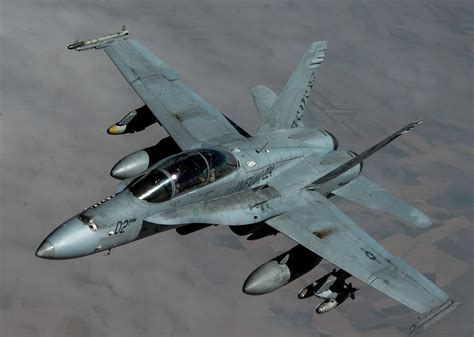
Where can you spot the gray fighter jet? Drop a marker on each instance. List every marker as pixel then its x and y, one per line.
pixel 211 172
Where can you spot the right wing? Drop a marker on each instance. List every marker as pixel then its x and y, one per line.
pixel 324 229
pixel 367 193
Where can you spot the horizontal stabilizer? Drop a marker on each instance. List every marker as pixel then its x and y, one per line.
pixel 364 155
pixel 365 192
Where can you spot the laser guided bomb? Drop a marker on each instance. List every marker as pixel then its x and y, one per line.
pixel 332 288
pixel 331 303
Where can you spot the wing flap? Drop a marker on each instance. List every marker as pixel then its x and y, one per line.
pixel 367 193
pixel 323 228
pixel 187 118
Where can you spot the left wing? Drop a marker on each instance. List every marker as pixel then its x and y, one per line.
pixel 187 118
pixel 324 229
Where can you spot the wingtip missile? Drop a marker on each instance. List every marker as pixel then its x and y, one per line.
pixel 77 44
pixel 428 319
pixel 100 42
pixel 411 126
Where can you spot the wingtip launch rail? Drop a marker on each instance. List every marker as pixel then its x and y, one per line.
pixel 433 316
pixel 100 42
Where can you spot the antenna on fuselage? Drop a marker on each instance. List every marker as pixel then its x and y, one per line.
pixel 261 149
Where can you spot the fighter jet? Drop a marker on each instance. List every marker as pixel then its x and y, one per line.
pixel 209 171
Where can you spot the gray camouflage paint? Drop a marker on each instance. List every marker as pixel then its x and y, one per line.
pixel 251 193
pixel 385 61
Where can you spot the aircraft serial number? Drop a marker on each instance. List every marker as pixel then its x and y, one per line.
pixel 122 225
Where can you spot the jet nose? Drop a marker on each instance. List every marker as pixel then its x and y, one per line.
pixel 72 239
pixel 46 250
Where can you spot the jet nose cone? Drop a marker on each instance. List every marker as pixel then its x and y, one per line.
pixel 46 250
pixel 72 239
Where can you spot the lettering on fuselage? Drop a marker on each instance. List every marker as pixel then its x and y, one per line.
pixel 121 225
pixel 260 176
pixel 304 100
pixel 120 228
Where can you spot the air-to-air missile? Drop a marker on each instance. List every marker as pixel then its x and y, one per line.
pixel 100 42
pixel 332 288
pixel 281 270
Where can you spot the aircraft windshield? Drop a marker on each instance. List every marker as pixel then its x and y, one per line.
pixel 187 171
pixel 153 187
pixel 182 173
pixel 220 163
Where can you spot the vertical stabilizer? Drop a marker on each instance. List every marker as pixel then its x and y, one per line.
pixel 289 107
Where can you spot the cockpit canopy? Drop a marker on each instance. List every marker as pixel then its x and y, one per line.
pixel 182 173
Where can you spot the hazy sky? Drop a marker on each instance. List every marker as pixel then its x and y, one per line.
pixel 388 63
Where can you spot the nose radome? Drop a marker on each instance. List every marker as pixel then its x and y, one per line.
pixel 74 238
pixel 46 250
